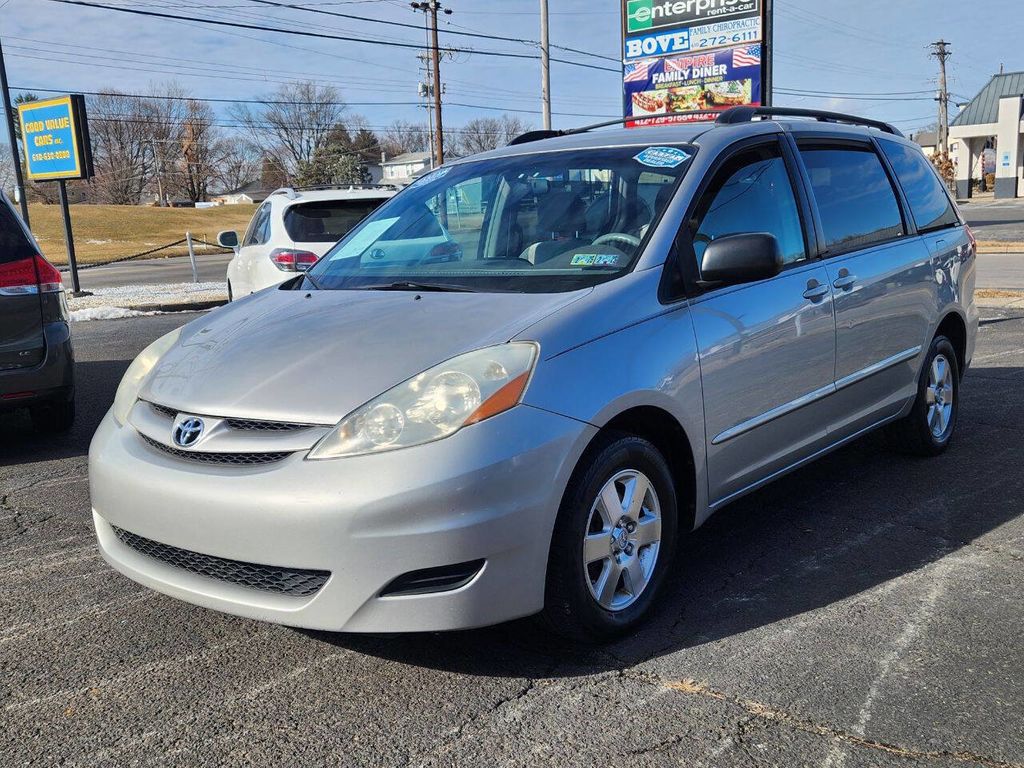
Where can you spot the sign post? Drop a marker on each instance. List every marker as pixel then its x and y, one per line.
pixel 681 57
pixel 55 135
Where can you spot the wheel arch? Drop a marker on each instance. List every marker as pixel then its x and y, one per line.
pixel 954 327
pixel 664 431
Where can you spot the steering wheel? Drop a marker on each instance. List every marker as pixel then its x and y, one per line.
pixel 618 237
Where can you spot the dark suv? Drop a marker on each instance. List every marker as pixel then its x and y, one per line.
pixel 36 358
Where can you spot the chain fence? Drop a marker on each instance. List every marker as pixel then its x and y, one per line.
pixel 119 259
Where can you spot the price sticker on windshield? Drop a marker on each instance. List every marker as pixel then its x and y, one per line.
pixel 662 157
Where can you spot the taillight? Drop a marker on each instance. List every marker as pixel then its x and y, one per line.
pixel 290 260
pixel 31 275
pixel 973 241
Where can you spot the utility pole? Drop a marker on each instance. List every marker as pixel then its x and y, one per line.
pixel 545 65
pixel 940 51
pixel 9 114
pixel 431 7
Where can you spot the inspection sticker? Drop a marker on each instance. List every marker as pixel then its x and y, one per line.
pixel 662 157
pixel 594 260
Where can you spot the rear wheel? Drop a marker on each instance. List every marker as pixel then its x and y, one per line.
pixel 53 417
pixel 230 297
pixel 928 428
pixel 614 540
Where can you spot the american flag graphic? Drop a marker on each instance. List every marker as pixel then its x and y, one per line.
pixel 638 72
pixel 747 57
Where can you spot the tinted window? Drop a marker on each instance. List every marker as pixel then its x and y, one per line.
pixel 752 193
pixel 855 198
pixel 13 243
pixel 927 197
pixel 326 221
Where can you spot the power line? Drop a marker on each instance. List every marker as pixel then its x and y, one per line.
pixel 320 35
pixel 480 35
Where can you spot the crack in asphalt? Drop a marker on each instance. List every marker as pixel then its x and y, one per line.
pixel 764 712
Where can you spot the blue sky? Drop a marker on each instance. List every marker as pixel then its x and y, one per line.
pixel 862 47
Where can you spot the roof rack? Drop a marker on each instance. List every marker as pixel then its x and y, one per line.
pixel 731 116
pixel 738 115
pixel 292 193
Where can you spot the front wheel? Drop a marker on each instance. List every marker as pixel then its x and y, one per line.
pixel 614 541
pixel 928 428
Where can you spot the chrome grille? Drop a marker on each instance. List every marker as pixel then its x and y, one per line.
pixel 244 425
pixel 228 459
pixel 296 582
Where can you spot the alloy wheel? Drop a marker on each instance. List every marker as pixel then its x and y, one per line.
pixel 620 547
pixel 939 396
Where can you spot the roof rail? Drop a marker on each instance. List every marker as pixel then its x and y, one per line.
pixel 549 134
pixel 286 191
pixel 738 115
pixel 317 187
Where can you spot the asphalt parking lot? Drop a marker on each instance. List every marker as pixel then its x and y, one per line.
pixel 864 611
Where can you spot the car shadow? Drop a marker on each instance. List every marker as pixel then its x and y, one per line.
pixel 95 385
pixel 848 523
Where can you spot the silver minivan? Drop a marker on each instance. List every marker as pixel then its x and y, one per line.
pixel 636 328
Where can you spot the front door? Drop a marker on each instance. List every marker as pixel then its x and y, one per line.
pixel 767 349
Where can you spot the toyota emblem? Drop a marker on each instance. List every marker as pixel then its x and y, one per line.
pixel 188 431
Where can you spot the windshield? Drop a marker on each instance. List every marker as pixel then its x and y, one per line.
pixel 326 221
pixel 544 222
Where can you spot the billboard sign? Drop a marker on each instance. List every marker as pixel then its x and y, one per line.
pixel 644 15
pixel 689 55
pixel 55 136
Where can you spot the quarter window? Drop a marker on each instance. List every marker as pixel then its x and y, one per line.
pixel 752 193
pixel 927 197
pixel 856 201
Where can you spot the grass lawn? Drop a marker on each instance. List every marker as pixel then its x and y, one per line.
pixel 105 232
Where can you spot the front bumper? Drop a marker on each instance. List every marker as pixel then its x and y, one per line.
pixel 490 492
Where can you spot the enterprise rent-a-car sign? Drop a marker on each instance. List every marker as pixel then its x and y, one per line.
pixel 680 56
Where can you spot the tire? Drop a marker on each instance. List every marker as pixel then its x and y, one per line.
pixel 53 417
pixel 230 297
pixel 928 429
pixel 579 604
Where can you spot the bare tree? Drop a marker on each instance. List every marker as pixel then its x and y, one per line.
pixel 487 133
pixel 402 136
pixel 237 164
pixel 200 149
pixel 7 179
pixel 293 122
pixel 122 147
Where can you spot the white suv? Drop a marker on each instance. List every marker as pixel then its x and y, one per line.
pixel 292 229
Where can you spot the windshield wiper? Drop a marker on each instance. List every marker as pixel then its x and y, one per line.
pixel 404 285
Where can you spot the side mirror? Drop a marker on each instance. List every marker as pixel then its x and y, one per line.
pixel 736 259
pixel 227 239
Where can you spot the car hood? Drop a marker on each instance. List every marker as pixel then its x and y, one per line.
pixel 314 358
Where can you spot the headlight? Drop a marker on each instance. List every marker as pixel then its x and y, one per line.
pixel 128 389
pixel 437 403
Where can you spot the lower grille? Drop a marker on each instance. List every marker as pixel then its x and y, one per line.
pixel 295 582
pixel 233 459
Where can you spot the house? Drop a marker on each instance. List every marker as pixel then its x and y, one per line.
pixel 247 194
pixel 927 140
pixel 405 169
pixel 991 119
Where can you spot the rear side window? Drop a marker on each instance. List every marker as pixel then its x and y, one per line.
pixel 855 198
pixel 326 221
pixel 14 246
pixel 927 197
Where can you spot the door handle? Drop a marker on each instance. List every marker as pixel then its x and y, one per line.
pixel 845 280
pixel 816 291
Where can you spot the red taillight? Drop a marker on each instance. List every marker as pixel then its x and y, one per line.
pixel 290 260
pixel 32 275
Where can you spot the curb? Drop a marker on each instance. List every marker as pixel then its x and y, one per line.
pixel 194 306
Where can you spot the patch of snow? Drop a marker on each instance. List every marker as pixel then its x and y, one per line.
pixel 106 313
pixel 99 242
